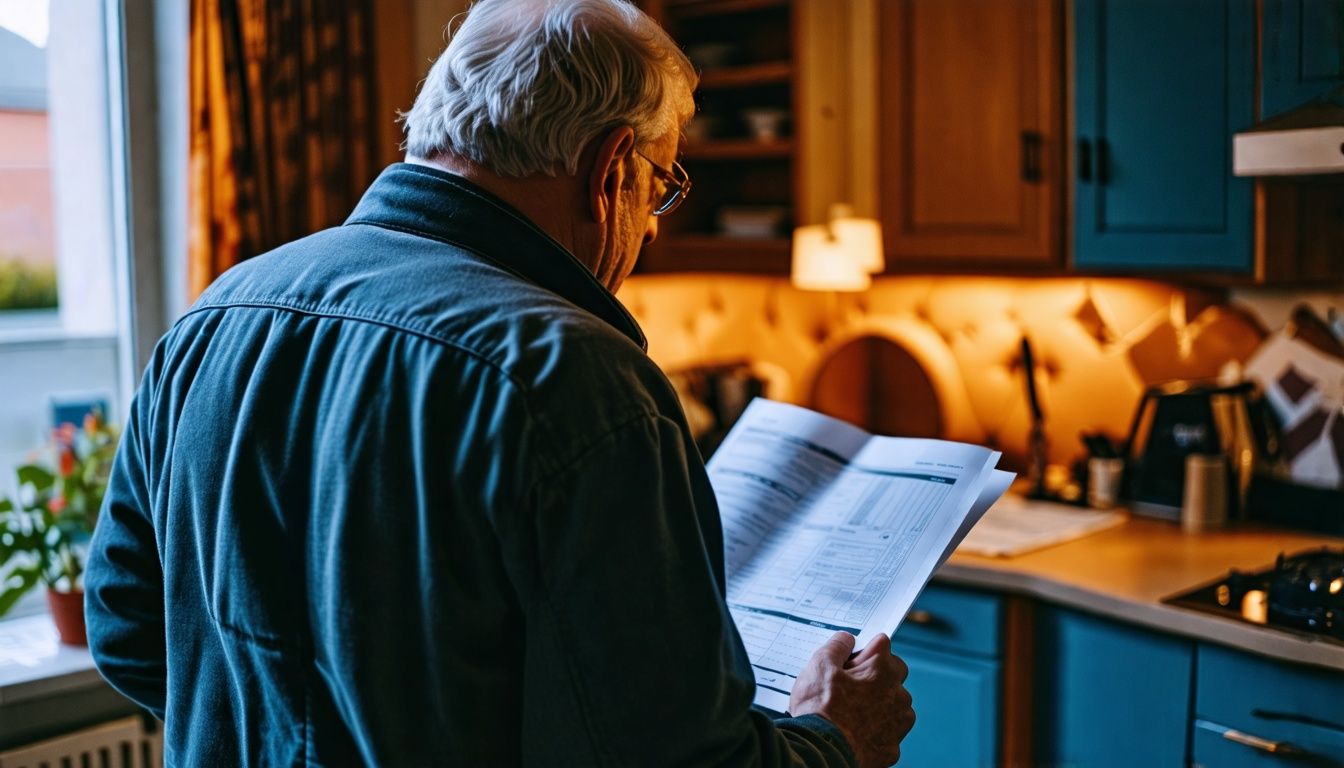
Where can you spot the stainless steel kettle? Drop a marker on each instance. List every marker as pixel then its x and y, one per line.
pixel 1179 418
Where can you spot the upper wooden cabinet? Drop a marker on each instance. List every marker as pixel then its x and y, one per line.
pixel 970 132
pixel 1160 87
pixel 740 148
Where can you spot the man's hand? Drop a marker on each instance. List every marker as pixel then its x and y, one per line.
pixel 864 696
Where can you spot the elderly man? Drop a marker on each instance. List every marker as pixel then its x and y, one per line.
pixel 409 492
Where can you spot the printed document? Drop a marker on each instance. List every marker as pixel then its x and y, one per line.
pixel 827 528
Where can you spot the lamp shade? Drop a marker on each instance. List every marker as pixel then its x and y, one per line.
pixel 862 240
pixel 822 262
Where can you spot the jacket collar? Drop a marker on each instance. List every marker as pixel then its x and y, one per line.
pixel 446 207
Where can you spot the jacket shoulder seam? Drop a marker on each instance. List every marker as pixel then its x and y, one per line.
pixel 368 318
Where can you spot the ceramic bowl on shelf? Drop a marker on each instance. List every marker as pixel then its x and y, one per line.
pixel 750 221
pixel 703 127
pixel 712 55
pixel 765 124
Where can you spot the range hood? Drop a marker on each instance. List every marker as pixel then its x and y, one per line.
pixel 1304 141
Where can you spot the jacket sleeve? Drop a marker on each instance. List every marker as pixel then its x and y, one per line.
pixel 633 657
pixel 123 581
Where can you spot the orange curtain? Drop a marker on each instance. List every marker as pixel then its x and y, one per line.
pixel 282 143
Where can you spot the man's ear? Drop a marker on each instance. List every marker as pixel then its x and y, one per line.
pixel 607 171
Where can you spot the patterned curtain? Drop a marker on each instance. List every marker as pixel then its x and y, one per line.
pixel 282 143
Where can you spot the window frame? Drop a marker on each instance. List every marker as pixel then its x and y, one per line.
pixel 146 55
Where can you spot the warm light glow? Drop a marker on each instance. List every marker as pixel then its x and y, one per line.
pixel 1255 606
pixel 821 262
pixel 862 238
pixel 839 255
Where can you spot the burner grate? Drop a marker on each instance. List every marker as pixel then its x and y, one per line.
pixel 1306 591
pixel 1302 592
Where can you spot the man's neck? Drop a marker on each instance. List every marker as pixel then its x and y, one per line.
pixel 547 201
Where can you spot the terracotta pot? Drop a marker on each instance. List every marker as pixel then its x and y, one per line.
pixel 67 610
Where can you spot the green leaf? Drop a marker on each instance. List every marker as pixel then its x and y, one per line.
pixel 69 517
pixel 6 505
pixel 39 478
pixel 18 583
pixel 95 507
pixel 15 542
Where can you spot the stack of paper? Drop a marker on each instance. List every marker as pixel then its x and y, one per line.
pixel 1016 525
pixel 827 528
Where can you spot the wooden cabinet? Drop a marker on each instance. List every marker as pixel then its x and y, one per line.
pixel 1160 89
pixel 970 138
pixel 951 642
pixel 741 146
pixel 1255 712
pixel 1108 694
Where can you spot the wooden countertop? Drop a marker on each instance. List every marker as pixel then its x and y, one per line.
pixel 1124 573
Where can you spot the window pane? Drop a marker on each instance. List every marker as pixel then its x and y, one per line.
pixel 59 331
pixel 27 240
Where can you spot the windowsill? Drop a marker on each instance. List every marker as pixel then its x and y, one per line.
pixel 34 663
pixel 30 319
pixel 44 335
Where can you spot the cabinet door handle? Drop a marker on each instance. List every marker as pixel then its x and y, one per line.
pixel 1292 717
pixel 922 619
pixel 1031 157
pixel 1285 749
pixel 1084 160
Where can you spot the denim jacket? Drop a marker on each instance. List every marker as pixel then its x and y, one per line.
pixel 409 492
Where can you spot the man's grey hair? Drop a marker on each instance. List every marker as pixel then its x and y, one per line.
pixel 525 85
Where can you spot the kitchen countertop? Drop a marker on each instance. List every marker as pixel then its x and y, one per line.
pixel 1124 572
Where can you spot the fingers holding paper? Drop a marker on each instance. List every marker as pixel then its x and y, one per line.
pixel 864 695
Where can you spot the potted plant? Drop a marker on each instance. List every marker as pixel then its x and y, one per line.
pixel 45 529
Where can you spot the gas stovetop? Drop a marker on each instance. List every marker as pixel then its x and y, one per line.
pixel 1300 593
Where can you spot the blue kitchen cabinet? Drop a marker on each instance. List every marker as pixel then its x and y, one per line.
pixel 950 640
pixel 1161 87
pixel 956 707
pixel 1252 712
pixel 1303 54
pixel 1109 694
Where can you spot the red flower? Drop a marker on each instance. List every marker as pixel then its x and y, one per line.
pixel 56 505
pixel 67 461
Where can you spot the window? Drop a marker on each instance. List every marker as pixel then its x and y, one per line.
pixel 27 240
pixel 62 336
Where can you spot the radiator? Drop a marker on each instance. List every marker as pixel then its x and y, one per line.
pixel 119 744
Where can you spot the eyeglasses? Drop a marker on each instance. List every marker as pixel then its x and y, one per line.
pixel 678 185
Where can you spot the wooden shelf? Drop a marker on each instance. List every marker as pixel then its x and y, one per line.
pixel 746 76
pixel 699 240
pixel 702 252
pixel 738 149
pixel 731 166
pixel 700 8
